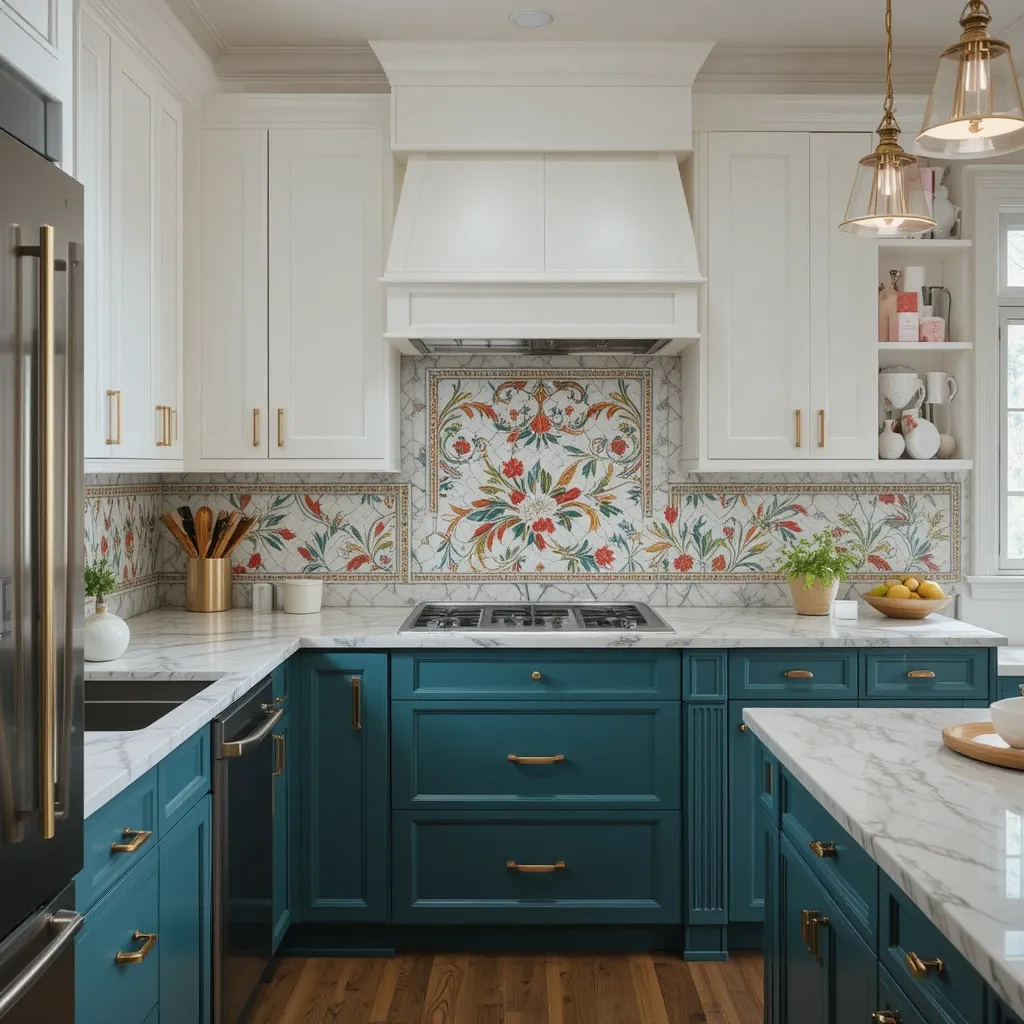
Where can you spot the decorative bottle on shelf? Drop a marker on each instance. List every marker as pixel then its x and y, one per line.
pixel 890 441
pixel 944 212
pixel 888 298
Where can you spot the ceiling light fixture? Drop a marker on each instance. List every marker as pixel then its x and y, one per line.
pixel 975 108
pixel 531 18
pixel 887 200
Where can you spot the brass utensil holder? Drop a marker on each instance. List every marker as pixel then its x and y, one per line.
pixel 208 585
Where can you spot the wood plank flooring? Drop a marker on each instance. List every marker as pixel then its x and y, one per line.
pixel 484 989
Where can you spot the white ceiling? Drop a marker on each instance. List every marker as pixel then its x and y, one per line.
pixel 231 24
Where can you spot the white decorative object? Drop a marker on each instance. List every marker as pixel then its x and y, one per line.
pixel 944 212
pixel 940 387
pixel 844 609
pixel 106 634
pixel 921 436
pixel 947 446
pixel 1008 720
pixel 900 388
pixel 262 597
pixel 913 281
pixel 890 441
pixel 904 327
pixel 303 597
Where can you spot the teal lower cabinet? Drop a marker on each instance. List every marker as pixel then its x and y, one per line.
pixel 1011 686
pixel 281 900
pixel 343 858
pixel 999 1014
pixel 186 918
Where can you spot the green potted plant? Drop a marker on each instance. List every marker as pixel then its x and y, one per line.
pixel 815 569
pixel 106 634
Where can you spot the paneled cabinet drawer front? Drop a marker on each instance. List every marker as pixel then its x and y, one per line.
pixel 184 779
pixel 108 992
pixel 910 948
pixel 535 753
pixel 927 675
pixel 538 675
pixel 128 822
pixel 573 867
pixel 891 997
pixel 793 674
pixel 844 868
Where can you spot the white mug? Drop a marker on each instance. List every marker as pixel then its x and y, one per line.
pixel 941 388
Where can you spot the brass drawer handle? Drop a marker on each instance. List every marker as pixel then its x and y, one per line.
pixel 280 754
pixel 148 940
pixel 823 849
pixel 535 675
pixel 552 759
pixel 255 428
pixel 798 673
pixel 117 395
pixel 920 673
pixel 885 1017
pixel 163 442
pixel 743 727
pixel 280 428
pixel 919 968
pixel 799 428
pixel 357 704
pixel 821 428
pixel 814 926
pixel 535 869
pixel 805 917
pixel 135 836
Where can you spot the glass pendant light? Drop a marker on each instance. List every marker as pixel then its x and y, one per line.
pixel 975 109
pixel 888 200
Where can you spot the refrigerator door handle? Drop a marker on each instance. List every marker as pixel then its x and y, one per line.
pixel 65 924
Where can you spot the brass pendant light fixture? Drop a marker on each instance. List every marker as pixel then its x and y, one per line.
pixel 975 108
pixel 888 200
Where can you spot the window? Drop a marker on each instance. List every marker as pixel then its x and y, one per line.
pixel 1011 338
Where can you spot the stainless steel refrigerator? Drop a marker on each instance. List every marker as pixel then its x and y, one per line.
pixel 41 595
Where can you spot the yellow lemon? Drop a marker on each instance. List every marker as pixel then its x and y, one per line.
pixel 880 591
pixel 930 591
pixel 898 592
pixel 915 597
pixel 911 583
pixel 895 582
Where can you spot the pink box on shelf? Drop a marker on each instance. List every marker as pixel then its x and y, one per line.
pixel 933 328
pixel 906 302
pixel 904 327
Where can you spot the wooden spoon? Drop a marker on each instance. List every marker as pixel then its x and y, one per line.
pixel 204 530
pixel 227 530
pixel 218 529
pixel 179 534
pixel 240 532
pixel 187 523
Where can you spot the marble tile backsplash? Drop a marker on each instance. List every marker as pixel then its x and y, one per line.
pixel 552 481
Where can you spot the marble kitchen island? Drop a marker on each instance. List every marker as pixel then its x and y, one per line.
pixel 946 830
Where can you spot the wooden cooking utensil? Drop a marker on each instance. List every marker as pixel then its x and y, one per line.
pixel 218 529
pixel 187 523
pixel 240 532
pixel 204 529
pixel 179 534
pixel 227 529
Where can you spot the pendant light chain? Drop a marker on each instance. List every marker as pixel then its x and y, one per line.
pixel 889 98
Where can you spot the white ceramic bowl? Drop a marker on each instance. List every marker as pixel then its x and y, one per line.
pixel 303 597
pixel 1008 720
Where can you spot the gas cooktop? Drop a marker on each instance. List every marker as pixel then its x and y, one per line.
pixel 529 618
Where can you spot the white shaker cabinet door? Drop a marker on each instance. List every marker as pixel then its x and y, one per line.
pixel 844 351
pixel 758 295
pixel 332 374
pixel 233 346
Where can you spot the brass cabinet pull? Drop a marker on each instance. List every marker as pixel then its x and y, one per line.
pixel 165 427
pixel 805 917
pixel 920 673
pixel 535 869
pixel 133 839
pixel 173 414
pixel 885 1017
pixel 799 428
pixel 280 428
pixel 823 849
pixel 919 968
pixel 148 940
pixel 535 675
pixel 551 759
pixel 357 704
pixel 821 428
pixel 255 428
pixel 798 673
pixel 814 926
pixel 280 754
pixel 743 727
pixel 115 394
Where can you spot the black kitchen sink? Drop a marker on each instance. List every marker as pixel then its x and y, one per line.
pixel 124 705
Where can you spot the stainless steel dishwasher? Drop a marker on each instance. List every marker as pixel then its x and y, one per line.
pixel 243 852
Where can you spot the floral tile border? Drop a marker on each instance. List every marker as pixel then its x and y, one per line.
pixel 120 525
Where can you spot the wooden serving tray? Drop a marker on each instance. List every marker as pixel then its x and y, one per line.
pixel 979 740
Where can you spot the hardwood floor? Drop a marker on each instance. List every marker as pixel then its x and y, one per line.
pixel 479 989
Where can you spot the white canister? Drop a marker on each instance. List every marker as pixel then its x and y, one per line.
pixel 303 597
pixel 913 281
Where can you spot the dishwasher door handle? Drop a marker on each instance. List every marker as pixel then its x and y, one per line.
pixel 239 747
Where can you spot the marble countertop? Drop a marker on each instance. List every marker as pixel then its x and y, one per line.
pixel 237 649
pixel 1011 661
pixel 948 830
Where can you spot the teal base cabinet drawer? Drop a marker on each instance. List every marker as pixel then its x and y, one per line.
pixel 535 753
pixel 184 779
pixel 108 992
pixel 893 999
pixel 926 675
pixel 954 993
pixel 508 867
pixel 784 675
pixel 537 675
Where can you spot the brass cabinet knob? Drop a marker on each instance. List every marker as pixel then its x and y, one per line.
pixel 885 1017
pixel 148 940
pixel 535 675
pixel 820 849
pixel 919 968
pixel 743 727
pixel 133 839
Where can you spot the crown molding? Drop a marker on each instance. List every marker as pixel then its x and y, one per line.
pixel 296 110
pixel 301 68
pixel 200 25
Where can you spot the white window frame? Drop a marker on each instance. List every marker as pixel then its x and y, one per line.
pixel 1008 315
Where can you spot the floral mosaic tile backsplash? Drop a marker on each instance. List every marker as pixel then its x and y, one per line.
pixel 549 481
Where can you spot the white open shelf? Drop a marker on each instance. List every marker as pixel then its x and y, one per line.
pixel 908 467
pixel 926 243
pixel 931 347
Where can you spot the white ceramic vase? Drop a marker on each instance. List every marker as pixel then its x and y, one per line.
pixel 944 213
pixel 106 635
pixel 922 437
pixel 890 442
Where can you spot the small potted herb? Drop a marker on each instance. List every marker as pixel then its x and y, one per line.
pixel 815 569
pixel 106 634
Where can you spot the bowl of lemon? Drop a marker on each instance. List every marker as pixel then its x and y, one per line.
pixel 907 597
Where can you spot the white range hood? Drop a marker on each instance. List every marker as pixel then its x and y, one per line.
pixel 576 237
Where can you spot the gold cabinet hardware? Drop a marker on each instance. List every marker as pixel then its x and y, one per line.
pixel 280 428
pixel 165 426
pixel 255 428
pixel 280 754
pixel 550 759
pixel 799 428
pixel 920 673
pixel 823 849
pixel 357 704
pixel 535 675
pixel 821 428
pixel 768 784
pixel 535 869
pixel 919 968
pixel 173 413
pixel 814 926
pixel 148 940
pixel 743 727
pixel 885 1017
pixel 116 439
pixel 132 839
pixel 805 917
pixel 798 673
